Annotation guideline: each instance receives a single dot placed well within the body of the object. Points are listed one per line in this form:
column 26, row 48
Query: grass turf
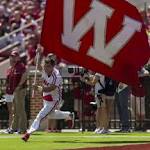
column 61, row 141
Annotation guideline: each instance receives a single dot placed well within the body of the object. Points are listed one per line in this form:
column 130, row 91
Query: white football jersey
column 56, row 79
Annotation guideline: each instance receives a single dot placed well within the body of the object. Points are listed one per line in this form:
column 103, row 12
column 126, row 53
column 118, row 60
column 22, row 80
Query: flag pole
column 145, row 14
column 36, row 69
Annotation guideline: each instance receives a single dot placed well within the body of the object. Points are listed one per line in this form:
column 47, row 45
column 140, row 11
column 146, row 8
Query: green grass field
column 61, row 141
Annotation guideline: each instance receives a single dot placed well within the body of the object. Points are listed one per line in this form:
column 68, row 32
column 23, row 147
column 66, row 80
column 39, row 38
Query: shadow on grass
column 37, row 134
column 103, row 142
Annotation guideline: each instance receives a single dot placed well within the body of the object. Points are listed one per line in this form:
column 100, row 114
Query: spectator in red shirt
column 138, row 101
column 9, row 95
column 16, row 86
column 31, row 53
column 138, row 106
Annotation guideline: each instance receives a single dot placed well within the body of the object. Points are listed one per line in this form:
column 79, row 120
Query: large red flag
column 102, row 35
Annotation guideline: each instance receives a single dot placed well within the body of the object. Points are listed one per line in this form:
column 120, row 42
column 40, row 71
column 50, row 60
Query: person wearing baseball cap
column 16, row 89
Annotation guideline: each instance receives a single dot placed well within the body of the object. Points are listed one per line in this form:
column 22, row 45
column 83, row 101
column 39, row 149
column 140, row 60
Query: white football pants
column 49, row 109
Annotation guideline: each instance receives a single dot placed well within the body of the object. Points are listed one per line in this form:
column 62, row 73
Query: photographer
column 94, row 81
column 105, row 89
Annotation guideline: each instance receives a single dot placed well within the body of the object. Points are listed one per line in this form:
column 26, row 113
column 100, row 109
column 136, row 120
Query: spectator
column 105, row 89
column 9, row 96
column 138, row 101
column 77, row 101
column 94, row 81
column 14, row 14
column 146, row 85
column 122, row 99
column 138, row 107
column 17, row 87
column 108, row 96
column 88, row 112
column 31, row 54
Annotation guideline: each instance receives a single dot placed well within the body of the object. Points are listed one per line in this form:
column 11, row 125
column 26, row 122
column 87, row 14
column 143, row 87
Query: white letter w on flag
column 96, row 17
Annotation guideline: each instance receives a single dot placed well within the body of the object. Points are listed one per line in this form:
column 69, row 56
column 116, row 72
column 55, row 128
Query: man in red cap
column 16, row 89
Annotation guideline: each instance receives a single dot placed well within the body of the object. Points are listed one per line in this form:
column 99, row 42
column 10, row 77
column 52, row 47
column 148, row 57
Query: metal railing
column 21, row 29
column 7, row 37
column 4, row 52
column 87, row 120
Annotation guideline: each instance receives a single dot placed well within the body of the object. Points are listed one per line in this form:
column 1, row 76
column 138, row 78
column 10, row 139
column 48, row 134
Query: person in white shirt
column 99, row 85
column 52, row 96
column 104, row 95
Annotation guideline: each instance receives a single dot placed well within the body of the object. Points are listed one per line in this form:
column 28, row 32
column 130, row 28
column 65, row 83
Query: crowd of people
column 130, row 102
column 146, row 16
column 15, row 15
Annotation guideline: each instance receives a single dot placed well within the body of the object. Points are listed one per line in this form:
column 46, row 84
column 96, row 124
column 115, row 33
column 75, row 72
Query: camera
column 93, row 106
column 71, row 71
column 99, row 94
column 101, row 91
column 84, row 74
